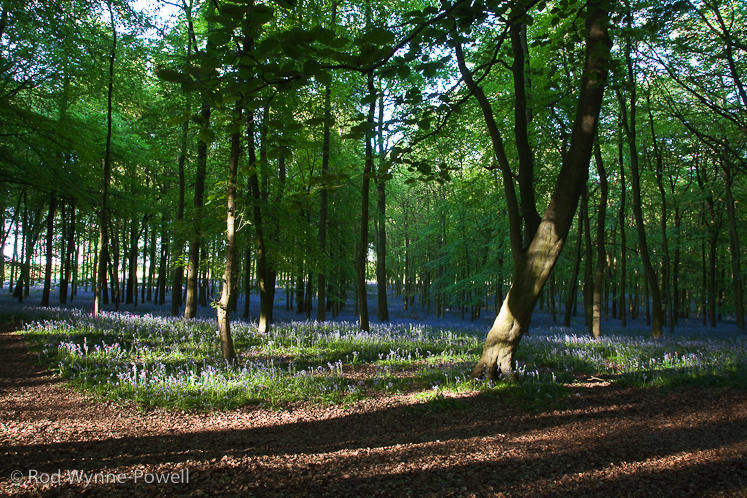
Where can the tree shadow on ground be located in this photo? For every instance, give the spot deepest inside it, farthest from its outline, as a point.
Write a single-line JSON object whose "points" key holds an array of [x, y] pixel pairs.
{"points": [[606, 442]]}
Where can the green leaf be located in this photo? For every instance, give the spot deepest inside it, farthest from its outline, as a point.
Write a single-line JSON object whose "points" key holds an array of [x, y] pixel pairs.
{"points": [[171, 75], [206, 135], [178, 120], [379, 36], [261, 14], [323, 35], [235, 127], [324, 78], [403, 71], [311, 66], [339, 42], [219, 38], [268, 46]]}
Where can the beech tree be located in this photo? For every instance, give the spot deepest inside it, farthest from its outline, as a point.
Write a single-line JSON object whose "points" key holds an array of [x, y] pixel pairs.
{"points": [[536, 245]]}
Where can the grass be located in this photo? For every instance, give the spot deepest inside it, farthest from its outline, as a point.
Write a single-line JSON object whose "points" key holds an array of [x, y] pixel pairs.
{"points": [[172, 363]]}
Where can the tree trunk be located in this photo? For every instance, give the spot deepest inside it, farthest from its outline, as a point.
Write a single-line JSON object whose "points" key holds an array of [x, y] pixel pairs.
{"points": [[704, 280], [534, 262], [152, 265], [193, 269], [677, 298], [629, 125], [596, 330], [665, 265], [50, 251], [162, 265], [265, 277], [572, 291], [178, 243], [67, 254], [205, 275], [307, 297], [712, 245], [103, 238], [382, 311], [131, 296], [588, 266], [247, 280], [223, 308], [323, 200], [363, 246], [623, 243], [734, 249]]}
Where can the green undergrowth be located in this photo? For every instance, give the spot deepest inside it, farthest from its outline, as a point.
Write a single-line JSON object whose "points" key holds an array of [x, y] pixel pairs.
{"points": [[172, 363]]}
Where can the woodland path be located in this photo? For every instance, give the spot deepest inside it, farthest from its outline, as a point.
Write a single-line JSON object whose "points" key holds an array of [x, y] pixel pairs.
{"points": [[606, 441]]}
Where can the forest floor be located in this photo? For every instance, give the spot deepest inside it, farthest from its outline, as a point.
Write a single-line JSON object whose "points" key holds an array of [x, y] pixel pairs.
{"points": [[603, 441]]}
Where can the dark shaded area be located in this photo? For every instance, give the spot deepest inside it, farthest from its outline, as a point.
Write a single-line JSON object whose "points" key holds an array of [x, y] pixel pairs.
{"points": [[599, 443]]}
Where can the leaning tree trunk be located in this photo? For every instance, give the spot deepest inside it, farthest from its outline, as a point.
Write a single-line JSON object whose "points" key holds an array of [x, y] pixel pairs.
{"points": [[534, 263], [629, 125]]}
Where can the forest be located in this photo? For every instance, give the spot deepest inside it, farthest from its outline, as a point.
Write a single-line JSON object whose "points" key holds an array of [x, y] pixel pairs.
{"points": [[450, 248], [445, 151]]}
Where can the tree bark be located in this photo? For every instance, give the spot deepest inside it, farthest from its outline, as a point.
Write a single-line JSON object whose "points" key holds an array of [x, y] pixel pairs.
{"points": [[223, 308], [195, 234], [265, 278], [734, 249], [623, 242], [178, 243], [596, 330], [162, 264], [588, 266], [572, 285], [103, 237], [131, 296], [629, 125], [365, 189], [665, 264], [50, 251], [382, 311], [534, 263]]}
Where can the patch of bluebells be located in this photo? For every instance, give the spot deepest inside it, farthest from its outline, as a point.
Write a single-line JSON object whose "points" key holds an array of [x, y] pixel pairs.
{"points": [[171, 362]]}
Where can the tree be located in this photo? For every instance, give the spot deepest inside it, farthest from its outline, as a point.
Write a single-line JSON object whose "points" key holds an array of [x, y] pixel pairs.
{"points": [[536, 252]]}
